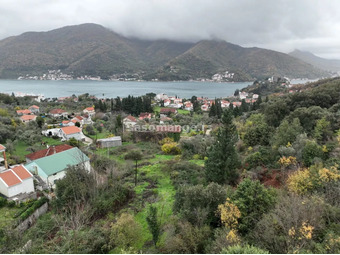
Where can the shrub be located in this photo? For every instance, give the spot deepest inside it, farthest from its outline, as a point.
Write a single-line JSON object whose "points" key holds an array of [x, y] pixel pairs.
{"points": [[3, 202], [171, 148], [243, 249]]}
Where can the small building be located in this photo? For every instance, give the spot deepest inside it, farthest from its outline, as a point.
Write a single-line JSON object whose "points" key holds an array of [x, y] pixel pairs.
{"points": [[28, 118], [66, 133], [15, 181], [166, 111], [67, 123], [52, 168], [109, 142], [34, 109]]}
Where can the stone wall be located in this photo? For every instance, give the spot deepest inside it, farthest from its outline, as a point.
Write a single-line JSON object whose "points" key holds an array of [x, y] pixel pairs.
{"points": [[26, 224]]}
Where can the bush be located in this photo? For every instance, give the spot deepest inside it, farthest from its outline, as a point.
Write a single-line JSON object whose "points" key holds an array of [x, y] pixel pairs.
{"points": [[171, 149], [311, 151], [3, 202], [11, 204], [243, 249]]}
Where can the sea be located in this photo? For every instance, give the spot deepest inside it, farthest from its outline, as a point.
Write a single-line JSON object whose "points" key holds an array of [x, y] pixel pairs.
{"points": [[112, 89]]}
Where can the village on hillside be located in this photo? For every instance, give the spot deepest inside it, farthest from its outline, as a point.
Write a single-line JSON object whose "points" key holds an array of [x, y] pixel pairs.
{"points": [[48, 165]]}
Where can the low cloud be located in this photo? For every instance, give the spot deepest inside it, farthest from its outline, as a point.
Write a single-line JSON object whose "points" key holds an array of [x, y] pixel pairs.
{"points": [[282, 25]]}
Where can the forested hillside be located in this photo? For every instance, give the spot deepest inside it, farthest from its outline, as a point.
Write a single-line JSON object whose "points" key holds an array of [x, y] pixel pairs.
{"points": [[91, 49]]}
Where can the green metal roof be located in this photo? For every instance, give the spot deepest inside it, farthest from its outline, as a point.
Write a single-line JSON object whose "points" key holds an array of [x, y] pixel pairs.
{"points": [[59, 161]]}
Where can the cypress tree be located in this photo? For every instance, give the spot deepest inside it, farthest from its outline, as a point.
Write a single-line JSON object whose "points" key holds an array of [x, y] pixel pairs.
{"points": [[213, 110], [222, 163]]}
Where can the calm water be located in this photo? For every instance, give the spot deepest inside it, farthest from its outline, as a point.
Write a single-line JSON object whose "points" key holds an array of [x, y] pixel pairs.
{"points": [[111, 89]]}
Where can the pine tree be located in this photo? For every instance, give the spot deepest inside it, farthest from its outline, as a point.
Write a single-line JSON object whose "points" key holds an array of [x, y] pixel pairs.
{"points": [[222, 163], [153, 223]]}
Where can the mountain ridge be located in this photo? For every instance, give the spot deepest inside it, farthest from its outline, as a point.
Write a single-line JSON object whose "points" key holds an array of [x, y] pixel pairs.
{"points": [[91, 49], [322, 63]]}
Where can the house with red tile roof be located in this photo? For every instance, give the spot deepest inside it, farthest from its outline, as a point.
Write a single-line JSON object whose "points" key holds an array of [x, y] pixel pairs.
{"points": [[15, 181], [66, 133], [188, 106], [51, 150], [145, 115], [58, 113], [28, 118], [89, 111], [24, 112]]}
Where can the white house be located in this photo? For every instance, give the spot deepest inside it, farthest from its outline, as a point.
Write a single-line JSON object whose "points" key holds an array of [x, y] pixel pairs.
{"points": [[225, 104], [15, 181], [67, 123], [167, 102], [188, 106], [89, 111], [28, 118], [69, 132], [129, 122], [161, 96]]}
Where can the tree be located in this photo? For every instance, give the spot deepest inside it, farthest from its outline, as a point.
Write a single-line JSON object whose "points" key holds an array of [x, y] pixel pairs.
{"points": [[198, 204], [153, 224], [222, 163], [40, 121], [287, 132], [311, 151], [257, 131], [322, 130], [134, 155], [253, 200], [294, 224]]}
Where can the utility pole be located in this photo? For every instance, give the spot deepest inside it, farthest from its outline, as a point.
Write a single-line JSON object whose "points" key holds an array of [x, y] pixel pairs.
{"points": [[136, 174]]}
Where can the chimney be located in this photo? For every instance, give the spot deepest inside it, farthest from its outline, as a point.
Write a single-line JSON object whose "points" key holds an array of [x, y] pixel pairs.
{"points": [[5, 159]]}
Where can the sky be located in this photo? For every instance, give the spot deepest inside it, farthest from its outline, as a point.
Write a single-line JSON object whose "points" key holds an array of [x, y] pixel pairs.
{"points": [[282, 25]]}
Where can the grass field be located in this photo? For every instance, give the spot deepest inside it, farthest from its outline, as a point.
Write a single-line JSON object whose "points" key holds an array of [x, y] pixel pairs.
{"points": [[161, 186]]}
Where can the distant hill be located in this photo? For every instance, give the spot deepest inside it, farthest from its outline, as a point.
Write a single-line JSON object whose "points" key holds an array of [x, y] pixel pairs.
{"points": [[94, 50], [322, 63]]}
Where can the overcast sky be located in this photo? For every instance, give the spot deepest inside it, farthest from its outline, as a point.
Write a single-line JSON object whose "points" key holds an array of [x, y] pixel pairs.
{"points": [[282, 25]]}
